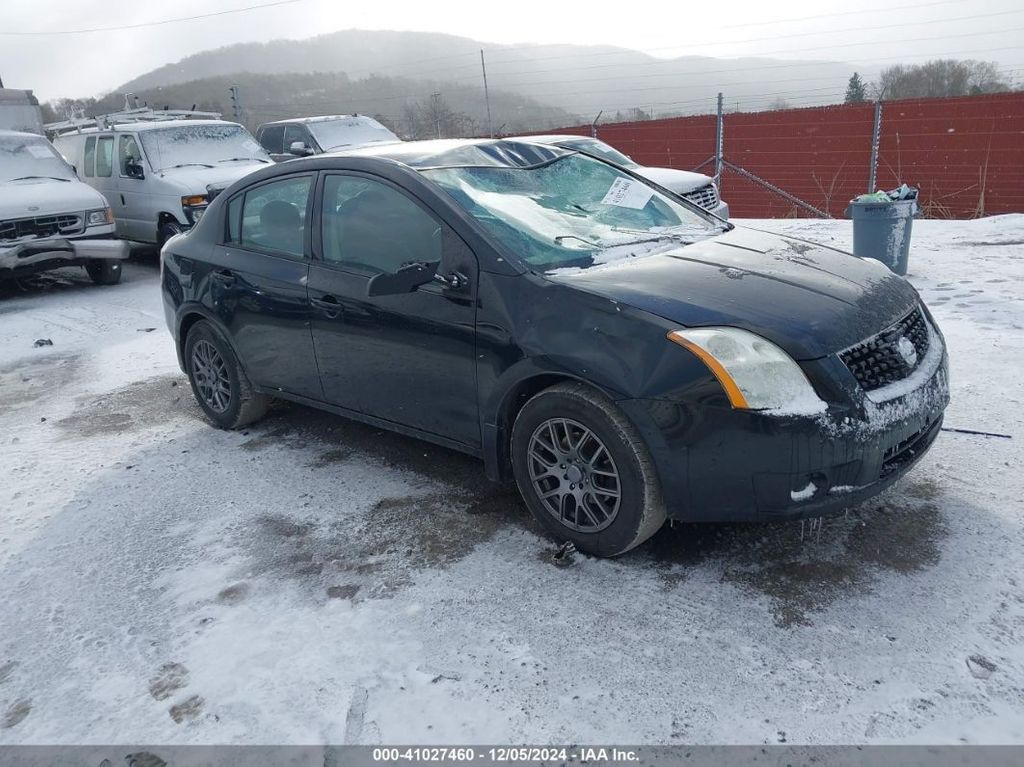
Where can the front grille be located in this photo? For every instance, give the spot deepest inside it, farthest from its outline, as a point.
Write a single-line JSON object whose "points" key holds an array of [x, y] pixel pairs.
{"points": [[42, 226], [878, 361], [706, 197]]}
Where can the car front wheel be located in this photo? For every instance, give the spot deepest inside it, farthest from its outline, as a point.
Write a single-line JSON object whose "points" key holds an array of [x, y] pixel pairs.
{"points": [[218, 382], [584, 471]]}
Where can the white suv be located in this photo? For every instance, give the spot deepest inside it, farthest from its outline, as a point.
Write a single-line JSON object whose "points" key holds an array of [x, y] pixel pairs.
{"points": [[50, 219], [157, 175]]}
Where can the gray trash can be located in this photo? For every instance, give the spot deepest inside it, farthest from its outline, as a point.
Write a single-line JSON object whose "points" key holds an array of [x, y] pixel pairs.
{"points": [[881, 230]]}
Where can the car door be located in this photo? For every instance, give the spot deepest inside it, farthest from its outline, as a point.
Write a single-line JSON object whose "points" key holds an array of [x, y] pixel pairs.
{"points": [[133, 221], [406, 357], [257, 284]]}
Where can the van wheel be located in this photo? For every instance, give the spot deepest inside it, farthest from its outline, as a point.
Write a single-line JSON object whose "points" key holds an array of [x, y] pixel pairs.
{"points": [[218, 382], [584, 471], [104, 271], [167, 231]]}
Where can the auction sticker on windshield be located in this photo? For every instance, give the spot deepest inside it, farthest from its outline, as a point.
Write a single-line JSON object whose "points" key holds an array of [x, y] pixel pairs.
{"points": [[627, 193]]}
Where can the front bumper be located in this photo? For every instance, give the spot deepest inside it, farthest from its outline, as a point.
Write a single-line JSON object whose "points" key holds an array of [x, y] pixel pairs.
{"points": [[34, 256], [717, 464]]}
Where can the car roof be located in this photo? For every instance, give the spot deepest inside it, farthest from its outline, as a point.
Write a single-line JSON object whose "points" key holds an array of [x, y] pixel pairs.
{"points": [[455, 153], [318, 119], [555, 138]]}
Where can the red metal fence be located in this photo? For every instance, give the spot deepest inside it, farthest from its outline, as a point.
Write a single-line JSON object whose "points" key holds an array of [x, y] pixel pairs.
{"points": [[965, 154]]}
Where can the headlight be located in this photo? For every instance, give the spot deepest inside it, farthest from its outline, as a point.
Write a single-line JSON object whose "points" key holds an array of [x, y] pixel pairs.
{"points": [[97, 217], [755, 373]]}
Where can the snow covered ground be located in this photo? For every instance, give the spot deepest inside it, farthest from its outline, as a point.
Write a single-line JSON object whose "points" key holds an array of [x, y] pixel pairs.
{"points": [[312, 580]]}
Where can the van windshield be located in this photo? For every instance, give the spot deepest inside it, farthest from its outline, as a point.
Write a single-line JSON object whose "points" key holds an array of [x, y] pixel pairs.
{"points": [[23, 156], [574, 211], [189, 145], [349, 131]]}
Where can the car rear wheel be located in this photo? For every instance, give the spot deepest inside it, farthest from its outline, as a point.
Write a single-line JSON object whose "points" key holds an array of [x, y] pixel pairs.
{"points": [[584, 471], [218, 382], [106, 271]]}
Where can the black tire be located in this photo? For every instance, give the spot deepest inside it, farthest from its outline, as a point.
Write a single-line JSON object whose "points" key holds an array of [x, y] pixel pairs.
{"points": [[240, 405], [166, 231], [104, 271], [640, 509]]}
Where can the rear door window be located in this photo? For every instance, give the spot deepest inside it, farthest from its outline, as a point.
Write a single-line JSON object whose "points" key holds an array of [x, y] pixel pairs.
{"points": [[274, 216]]}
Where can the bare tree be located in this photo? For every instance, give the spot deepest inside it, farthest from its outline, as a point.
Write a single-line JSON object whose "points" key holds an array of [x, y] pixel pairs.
{"points": [[941, 78]]}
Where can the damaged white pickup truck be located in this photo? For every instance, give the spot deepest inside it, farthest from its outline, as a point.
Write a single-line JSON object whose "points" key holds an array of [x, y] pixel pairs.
{"points": [[50, 219]]}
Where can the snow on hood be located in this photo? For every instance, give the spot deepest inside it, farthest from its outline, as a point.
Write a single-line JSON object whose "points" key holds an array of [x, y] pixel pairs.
{"points": [[195, 179], [678, 181], [46, 197]]}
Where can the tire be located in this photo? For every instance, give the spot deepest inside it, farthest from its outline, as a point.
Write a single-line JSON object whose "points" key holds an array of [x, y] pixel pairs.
{"points": [[212, 368], [104, 271], [166, 231], [588, 514]]}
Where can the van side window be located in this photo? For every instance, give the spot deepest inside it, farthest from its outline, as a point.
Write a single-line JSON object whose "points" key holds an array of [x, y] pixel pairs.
{"points": [[90, 156], [105, 156], [274, 216], [127, 151]]}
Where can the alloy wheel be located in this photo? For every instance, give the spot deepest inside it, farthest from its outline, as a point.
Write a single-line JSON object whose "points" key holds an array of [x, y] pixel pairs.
{"points": [[210, 373], [574, 475]]}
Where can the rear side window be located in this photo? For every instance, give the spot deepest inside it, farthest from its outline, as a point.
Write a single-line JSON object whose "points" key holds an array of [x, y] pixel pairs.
{"points": [[235, 217], [274, 216], [105, 156], [90, 156], [271, 138]]}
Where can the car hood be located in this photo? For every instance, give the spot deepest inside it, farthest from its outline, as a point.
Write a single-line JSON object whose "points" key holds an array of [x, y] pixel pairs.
{"points": [[809, 299], [195, 180], [679, 181], [46, 197]]}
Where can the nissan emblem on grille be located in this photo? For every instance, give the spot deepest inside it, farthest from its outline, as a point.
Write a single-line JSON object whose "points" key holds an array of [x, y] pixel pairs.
{"points": [[907, 351]]}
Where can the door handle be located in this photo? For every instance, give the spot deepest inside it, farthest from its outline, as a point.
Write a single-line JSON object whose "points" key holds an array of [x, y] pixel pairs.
{"points": [[225, 276], [328, 303]]}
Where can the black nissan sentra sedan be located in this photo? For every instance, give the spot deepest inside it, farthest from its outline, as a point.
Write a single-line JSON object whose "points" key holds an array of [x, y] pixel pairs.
{"points": [[621, 354]]}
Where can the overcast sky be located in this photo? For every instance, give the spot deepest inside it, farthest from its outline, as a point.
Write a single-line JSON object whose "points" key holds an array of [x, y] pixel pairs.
{"points": [[89, 64]]}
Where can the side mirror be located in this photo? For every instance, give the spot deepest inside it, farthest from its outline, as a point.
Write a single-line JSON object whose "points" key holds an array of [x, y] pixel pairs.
{"points": [[299, 148], [405, 280], [134, 169]]}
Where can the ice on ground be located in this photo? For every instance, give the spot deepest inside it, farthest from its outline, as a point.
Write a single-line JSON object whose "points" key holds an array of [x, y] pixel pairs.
{"points": [[309, 580]]}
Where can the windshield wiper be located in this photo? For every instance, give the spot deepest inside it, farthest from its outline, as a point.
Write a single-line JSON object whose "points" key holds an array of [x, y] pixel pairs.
{"points": [[189, 164], [25, 178], [559, 238], [239, 159]]}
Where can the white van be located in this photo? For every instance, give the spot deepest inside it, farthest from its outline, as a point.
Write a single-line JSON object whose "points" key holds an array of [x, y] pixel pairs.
{"points": [[50, 219], [157, 174]]}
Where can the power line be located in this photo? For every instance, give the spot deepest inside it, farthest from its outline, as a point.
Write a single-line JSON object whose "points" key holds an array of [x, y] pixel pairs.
{"points": [[151, 23]]}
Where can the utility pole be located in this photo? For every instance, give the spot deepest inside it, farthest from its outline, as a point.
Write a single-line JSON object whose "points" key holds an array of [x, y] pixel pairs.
{"points": [[719, 142], [487, 95], [593, 125], [876, 136], [236, 107], [435, 103]]}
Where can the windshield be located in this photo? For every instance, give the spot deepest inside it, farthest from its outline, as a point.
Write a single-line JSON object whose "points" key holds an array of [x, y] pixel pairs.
{"points": [[207, 145], [572, 212], [349, 131], [599, 149], [27, 156]]}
